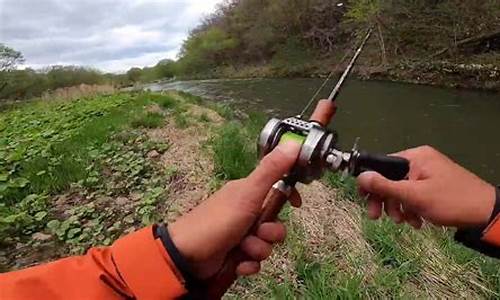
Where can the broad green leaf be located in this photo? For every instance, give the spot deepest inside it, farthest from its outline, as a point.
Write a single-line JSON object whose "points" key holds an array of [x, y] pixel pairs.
{"points": [[40, 215], [19, 182], [53, 225], [73, 232], [4, 177]]}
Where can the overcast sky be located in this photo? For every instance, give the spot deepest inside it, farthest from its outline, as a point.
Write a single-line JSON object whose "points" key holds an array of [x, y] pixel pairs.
{"points": [[112, 35]]}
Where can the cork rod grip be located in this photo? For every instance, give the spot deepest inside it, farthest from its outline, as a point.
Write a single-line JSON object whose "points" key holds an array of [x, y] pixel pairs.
{"points": [[221, 282]]}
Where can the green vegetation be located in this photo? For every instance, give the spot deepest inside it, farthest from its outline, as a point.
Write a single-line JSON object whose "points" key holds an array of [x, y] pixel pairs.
{"points": [[446, 42], [16, 84], [148, 120], [234, 158], [375, 260], [50, 147], [26, 84], [164, 69], [424, 41], [75, 174]]}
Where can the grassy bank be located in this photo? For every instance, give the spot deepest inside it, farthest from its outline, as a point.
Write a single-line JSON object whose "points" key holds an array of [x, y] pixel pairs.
{"points": [[335, 252], [85, 172], [80, 173]]}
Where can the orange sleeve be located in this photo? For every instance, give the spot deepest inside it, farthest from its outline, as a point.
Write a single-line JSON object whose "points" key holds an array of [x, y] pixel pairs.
{"points": [[491, 234], [135, 267]]}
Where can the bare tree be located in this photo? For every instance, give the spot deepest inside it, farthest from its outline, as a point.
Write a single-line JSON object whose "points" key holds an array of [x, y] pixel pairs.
{"points": [[9, 58]]}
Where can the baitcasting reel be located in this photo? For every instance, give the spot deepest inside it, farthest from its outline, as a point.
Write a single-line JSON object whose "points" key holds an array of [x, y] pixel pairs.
{"points": [[319, 152]]}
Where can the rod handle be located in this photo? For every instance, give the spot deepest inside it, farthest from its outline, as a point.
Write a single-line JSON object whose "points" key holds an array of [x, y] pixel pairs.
{"points": [[222, 281], [391, 167]]}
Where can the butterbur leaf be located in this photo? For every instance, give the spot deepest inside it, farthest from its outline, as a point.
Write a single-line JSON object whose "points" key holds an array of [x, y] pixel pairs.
{"points": [[40, 215], [11, 219], [19, 182], [3, 187], [4, 177], [53, 225], [73, 232]]}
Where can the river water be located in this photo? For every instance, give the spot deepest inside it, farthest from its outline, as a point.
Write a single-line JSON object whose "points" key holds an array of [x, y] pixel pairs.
{"points": [[386, 116]]}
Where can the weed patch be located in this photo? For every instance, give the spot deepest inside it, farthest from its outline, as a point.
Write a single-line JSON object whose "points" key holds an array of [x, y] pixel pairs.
{"points": [[234, 158], [148, 120], [167, 102], [181, 121]]}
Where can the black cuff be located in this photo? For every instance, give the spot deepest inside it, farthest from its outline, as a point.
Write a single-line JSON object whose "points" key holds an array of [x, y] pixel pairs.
{"points": [[192, 284], [471, 237]]}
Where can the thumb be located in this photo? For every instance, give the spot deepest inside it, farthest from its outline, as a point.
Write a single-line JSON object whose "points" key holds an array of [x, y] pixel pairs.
{"points": [[275, 165], [374, 183]]}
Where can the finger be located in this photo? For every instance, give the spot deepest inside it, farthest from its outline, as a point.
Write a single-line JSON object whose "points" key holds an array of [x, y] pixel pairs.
{"points": [[376, 184], [275, 165], [393, 210], [295, 199], [324, 112], [248, 268], [375, 205], [272, 232], [256, 248], [413, 219]]}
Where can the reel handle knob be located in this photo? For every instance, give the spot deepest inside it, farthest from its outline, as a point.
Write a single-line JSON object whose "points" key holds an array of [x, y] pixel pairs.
{"points": [[391, 167]]}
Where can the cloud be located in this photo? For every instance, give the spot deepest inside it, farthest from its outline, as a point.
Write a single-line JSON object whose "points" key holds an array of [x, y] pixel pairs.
{"points": [[112, 35]]}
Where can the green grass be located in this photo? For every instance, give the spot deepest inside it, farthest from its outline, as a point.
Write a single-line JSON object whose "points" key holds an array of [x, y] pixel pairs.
{"points": [[400, 262], [181, 120], [224, 110], [167, 102], [204, 118], [234, 156], [190, 98], [148, 120]]}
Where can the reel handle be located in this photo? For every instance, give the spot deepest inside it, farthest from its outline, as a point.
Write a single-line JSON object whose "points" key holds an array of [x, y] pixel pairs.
{"points": [[218, 285], [391, 167]]}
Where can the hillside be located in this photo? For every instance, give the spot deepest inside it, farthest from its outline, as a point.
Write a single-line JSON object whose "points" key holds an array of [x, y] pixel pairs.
{"points": [[445, 42]]}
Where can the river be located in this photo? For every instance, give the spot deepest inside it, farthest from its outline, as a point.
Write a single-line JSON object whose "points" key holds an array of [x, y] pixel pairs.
{"points": [[386, 116]]}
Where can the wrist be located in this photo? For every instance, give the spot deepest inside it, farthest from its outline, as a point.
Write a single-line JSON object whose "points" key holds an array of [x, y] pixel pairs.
{"points": [[179, 260], [489, 205]]}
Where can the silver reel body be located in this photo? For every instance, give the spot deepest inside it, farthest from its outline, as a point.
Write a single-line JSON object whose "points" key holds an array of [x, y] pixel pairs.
{"points": [[318, 151]]}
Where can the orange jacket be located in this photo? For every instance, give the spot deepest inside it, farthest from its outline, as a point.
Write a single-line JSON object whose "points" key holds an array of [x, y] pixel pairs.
{"points": [[136, 266]]}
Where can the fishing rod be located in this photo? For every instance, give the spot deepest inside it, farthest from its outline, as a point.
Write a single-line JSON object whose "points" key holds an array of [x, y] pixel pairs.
{"points": [[319, 153], [336, 91]]}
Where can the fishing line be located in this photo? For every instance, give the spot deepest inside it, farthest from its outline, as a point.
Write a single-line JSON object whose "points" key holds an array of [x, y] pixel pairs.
{"points": [[336, 90]]}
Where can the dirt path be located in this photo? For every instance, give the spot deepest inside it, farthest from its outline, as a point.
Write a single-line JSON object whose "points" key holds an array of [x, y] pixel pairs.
{"points": [[189, 159]]}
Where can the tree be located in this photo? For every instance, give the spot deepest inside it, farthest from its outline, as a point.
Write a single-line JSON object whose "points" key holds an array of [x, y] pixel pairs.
{"points": [[369, 13], [134, 74], [9, 58]]}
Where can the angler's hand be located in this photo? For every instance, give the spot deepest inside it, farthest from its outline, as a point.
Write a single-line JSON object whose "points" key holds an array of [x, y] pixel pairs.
{"points": [[207, 234], [438, 190]]}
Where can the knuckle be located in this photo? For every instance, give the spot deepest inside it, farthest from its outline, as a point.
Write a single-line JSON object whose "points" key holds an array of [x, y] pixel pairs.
{"points": [[259, 250], [376, 185], [428, 150], [271, 163]]}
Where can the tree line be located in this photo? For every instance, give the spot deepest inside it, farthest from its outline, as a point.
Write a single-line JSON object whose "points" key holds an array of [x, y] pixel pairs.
{"points": [[293, 34], [28, 83], [300, 37]]}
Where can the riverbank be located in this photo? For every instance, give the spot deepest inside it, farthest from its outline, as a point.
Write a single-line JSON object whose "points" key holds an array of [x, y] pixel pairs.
{"points": [[439, 73], [135, 167]]}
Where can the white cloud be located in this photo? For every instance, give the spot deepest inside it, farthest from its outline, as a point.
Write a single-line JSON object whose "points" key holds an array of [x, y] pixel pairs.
{"points": [[112, 35]]}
